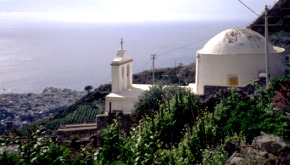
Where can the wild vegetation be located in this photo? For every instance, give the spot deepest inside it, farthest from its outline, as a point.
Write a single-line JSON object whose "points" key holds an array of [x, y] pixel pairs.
{"points": [[180, 128], [181, 75]]}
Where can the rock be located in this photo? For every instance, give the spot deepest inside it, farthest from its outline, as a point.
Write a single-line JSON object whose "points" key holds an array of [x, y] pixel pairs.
{"points": [[285, 160], [231, 147], [253, 155], [265, 149], [236, 161], [271, 144]]}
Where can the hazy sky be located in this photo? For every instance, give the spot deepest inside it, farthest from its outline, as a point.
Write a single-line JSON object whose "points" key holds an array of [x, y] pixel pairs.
{"points": [[130, 10]]}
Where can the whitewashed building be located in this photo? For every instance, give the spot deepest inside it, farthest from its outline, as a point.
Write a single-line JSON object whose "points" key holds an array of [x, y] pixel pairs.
{"points": [[235, 57], [124, 93], [232, 58]]}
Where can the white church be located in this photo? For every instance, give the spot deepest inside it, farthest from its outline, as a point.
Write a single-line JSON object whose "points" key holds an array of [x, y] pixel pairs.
{"points": [[233, 58], [124, 93]]}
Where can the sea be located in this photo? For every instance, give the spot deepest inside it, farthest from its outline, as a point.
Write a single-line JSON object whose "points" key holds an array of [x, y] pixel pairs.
{"points": [[35, 55]]}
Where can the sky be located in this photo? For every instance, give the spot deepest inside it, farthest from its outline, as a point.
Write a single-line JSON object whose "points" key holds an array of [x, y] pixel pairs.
{"points": [[130, 10]]}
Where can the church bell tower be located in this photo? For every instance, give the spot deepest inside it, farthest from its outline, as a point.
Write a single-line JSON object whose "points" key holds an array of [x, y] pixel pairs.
{"points": [[121, 70]]}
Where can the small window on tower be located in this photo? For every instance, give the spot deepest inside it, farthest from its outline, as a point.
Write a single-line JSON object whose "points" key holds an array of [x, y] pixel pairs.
{"points": [[128, 70], [233, 80]]}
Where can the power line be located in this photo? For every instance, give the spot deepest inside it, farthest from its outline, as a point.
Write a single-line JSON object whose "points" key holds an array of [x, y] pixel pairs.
{"points": [[249, 8], [184, 46], [190, 44], [187, 45]]}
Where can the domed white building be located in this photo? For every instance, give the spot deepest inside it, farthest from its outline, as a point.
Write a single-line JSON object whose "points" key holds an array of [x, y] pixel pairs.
{"points": [[235, 57]]}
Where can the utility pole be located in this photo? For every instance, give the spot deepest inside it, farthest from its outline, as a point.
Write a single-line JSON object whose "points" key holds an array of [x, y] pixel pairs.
{"points": [[267, 68], [266, 46], [153, 57]]}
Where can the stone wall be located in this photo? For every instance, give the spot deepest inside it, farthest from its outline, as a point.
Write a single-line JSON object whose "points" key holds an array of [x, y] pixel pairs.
{"points": [[84, 132], [77, 134], [209, 90]]}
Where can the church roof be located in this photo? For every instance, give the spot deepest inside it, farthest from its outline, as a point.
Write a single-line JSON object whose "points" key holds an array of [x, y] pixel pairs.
{"points": [[121, 57], [238, 41], [133, 92]]}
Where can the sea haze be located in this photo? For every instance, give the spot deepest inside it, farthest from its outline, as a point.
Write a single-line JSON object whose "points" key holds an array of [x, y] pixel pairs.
{"points": [[72, 55]]}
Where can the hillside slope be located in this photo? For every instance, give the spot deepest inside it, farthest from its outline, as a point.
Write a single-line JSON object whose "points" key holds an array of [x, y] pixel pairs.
{"points": [[181, 75], [85, 110], [279, 24]]}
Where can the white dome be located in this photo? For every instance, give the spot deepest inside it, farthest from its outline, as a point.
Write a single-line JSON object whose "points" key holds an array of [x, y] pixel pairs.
{"points": [[238, 41]]}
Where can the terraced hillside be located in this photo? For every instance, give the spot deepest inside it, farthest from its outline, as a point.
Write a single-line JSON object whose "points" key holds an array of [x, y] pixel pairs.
{"points": [[279, 24]]}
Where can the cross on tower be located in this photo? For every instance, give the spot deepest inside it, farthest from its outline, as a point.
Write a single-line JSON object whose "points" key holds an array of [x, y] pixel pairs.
{"points": [[121, 43]]}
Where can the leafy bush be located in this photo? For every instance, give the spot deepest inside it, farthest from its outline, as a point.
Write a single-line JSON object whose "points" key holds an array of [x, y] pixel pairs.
{"points": [[8, 158], [40, 148], [151, 101], [112, 148], [249, 116]]}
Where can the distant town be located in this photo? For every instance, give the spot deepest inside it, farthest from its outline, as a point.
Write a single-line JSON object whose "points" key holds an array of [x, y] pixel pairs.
{"points": [[19, 110]]}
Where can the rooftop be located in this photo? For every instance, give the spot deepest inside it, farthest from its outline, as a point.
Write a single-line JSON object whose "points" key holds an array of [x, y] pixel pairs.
{"points": [[132, 92], [238, 41]]}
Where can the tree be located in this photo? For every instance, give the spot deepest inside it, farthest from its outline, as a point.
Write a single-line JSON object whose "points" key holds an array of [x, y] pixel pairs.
{"points": [[88, 88], [150, 101]]}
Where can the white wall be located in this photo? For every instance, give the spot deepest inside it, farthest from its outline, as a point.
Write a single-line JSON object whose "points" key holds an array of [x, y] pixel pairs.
{"points": [[130, 75], [121, 76], [116, 82], [124, 104], [214, 69]]}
